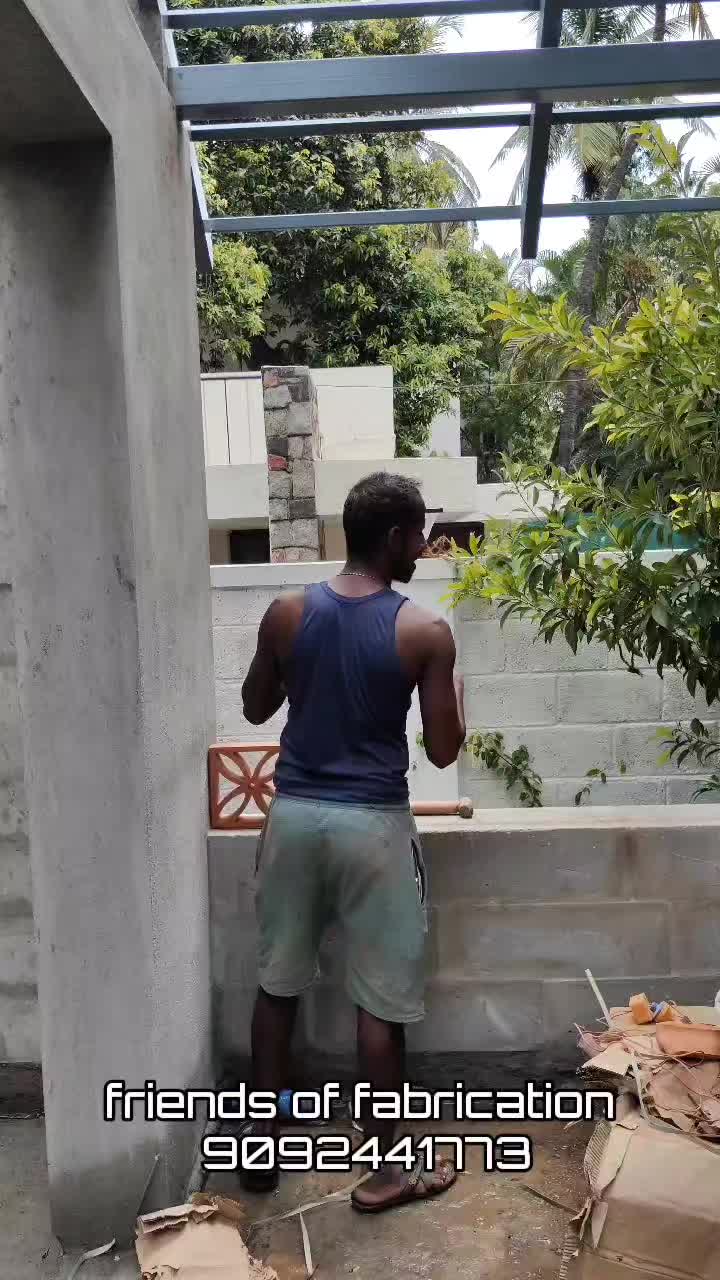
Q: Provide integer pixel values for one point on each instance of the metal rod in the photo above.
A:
(269, 129)
(353, 11)
(473, 213)
(265, 130)
(359, 11)
(204, 257)
(549, 32)
(345, 86)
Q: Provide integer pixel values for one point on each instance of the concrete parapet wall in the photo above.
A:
(521, 903)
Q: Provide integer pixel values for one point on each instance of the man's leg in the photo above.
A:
(381, 1057)
(272, 1028)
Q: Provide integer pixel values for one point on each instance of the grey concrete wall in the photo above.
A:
(521, 905)
(19, 1020)
(574, 713)
(102, 396)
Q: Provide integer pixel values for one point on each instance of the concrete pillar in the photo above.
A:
(19, 1037)
(147, 15)
(111, 580)
(291, 422)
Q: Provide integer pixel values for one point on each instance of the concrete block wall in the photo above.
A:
(574, 712)
(521, 904)
(19, 1020)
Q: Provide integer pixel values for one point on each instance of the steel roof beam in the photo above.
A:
(348, 85)
(267, 130)
(549, 32)
(359, 11)
(473, 213)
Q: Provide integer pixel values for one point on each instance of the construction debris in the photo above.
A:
(197, 1241)
(653, 1173)
(653, 1208)
(673, 1067)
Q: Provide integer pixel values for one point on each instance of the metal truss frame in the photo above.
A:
(261, 101)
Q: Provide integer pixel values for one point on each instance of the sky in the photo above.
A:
(478, 147)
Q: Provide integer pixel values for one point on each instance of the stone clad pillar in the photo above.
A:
(290, 405)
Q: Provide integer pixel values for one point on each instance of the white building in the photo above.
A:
(355, 436)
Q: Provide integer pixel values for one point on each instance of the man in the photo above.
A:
(340, 843)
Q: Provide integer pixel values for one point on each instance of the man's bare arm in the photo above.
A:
(263, 692)
(441, 698)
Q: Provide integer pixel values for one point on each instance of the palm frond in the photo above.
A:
(711, 168)
(440, 28)
(517, 141)
(695, 18)
(467, 189)
(700, 126)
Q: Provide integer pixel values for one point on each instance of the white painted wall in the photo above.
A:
(233, 421)
(355, 412)
(237, 497)
(445, 433)
(446, 483)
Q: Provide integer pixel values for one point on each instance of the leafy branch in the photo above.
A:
(595, 775)
(681, 743)
(486, 747)
(514, 767)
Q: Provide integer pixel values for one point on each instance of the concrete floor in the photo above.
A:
(487, 1227)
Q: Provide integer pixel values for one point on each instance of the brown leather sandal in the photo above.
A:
(420, 1184)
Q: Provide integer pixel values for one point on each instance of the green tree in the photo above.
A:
(602, 155)
(582, 571)
(394, 295)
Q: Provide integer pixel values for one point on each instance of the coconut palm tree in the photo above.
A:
(602, 155)
(463, 190)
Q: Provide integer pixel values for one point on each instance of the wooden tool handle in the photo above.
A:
(462, 808)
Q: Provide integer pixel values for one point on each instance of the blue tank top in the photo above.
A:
(349, 695)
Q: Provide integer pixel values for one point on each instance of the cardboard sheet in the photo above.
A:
(656, 1205)
(196, 1241)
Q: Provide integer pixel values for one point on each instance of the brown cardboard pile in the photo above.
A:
(654, 1206)
(683, 1091)
(653, 1211)
(196, 1241)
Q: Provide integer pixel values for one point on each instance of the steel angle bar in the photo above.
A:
(309, 128)
(348, 85)
(549, 31)
(237, 16)
(472, 213)
(267, 130)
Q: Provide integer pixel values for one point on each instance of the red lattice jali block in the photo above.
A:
(241, 784)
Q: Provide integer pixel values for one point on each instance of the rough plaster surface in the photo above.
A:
(19, 1016)
(99, 353)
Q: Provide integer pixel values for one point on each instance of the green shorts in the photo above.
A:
(355, 868)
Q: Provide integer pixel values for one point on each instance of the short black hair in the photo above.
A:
(375, 505)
